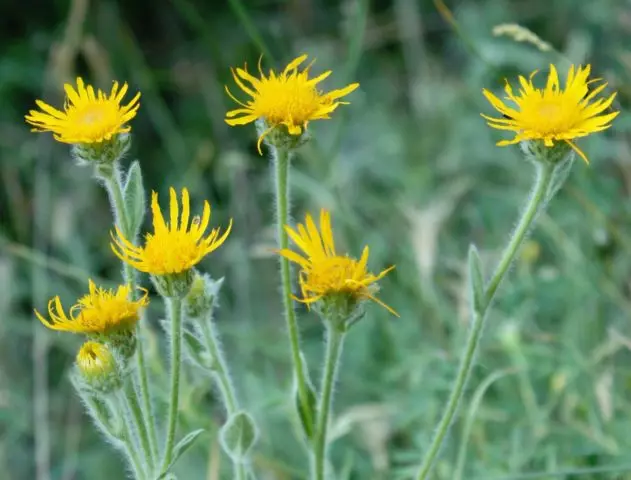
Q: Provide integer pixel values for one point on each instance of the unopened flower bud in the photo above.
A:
(98, 367)
(201, 298)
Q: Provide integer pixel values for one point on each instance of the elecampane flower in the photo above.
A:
(288, 98)
(173, 247)
(553, 114)
(100, 311)
(323, 271)
(88, 116)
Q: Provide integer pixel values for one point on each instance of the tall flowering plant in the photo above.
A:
(110, 373)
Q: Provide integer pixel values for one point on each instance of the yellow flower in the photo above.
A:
(553, 114)
(95, 359)
(100, 311)
(88, 117)
(172, 248)
(98, 367)
(323, 271)
(288, 98)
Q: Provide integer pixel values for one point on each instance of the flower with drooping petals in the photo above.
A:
(288, 98)
(324, 272)
(553, 114)
(100, 311)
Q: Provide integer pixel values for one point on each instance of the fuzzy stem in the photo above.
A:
(281, 157)
(536, 202)
(131, 398)
(334, 341)
(220, 372)
(175, 315)
(127, 442)
(115, 191)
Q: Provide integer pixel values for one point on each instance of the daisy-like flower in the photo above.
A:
(99, 312)
(289, 98)
(174, 247)
(324, 272)
(88, 116)
(553, 114)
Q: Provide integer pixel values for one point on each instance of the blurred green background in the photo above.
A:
(408, 168)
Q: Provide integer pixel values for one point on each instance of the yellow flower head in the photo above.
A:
(175, 247)
(288, 98)
(100, 311)
(323, 271)
(95, 360)
(553, 114)
(88, 116)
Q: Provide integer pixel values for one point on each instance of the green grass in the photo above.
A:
(409, 168)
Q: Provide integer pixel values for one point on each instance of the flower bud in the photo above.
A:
(201, 298)
(98, 367)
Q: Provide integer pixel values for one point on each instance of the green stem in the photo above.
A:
(334, 341)
(128, 442)
(175, 315)
(220, 370)
(114, 188)
(281, 170)
(131, 398)
(537, 200)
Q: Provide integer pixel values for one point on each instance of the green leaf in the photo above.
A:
(559, 176)
(134, 196)
(308, 427)
(238, 436)
(180, 448)
(196, 351)
(476, 280)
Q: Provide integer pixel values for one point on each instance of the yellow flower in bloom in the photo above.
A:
(95, 360)
(100, 311)
(88, 116)
(174, 247)
(288, 98)
(553, 114)
(323, 271)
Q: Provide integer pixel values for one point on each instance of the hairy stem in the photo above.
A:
(534, 205)
(281, 171)
(220, 372)
(136, 414)
(334, 341)
(175, 315)
(128, 443)
(115, 191)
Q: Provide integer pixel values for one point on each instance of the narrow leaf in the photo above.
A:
(476, 280)
(134, 195)
(306, 413)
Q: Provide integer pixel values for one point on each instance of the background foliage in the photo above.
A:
(409, 168)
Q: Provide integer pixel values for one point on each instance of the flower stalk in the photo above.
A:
(281, 159)
(128, 443)
(175, 317)
(115, 191)
(536, 203)
(334, 342)
(220, 372)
